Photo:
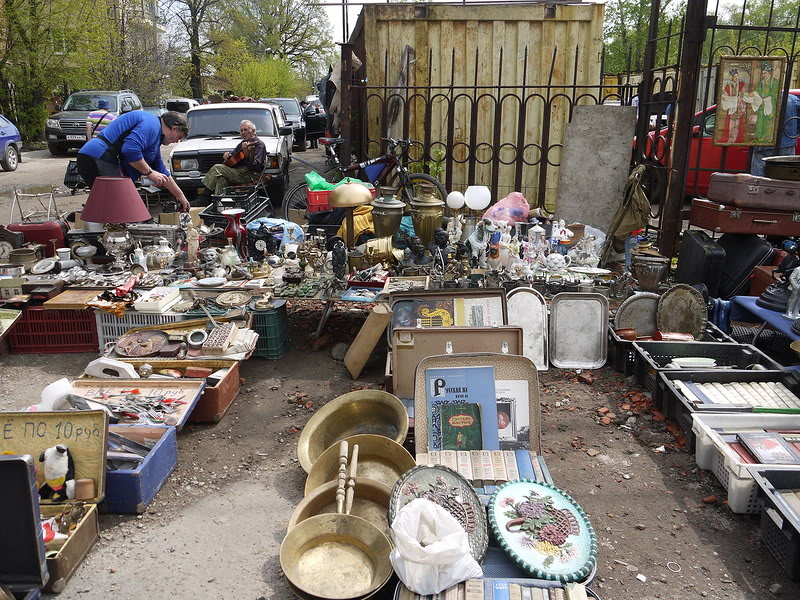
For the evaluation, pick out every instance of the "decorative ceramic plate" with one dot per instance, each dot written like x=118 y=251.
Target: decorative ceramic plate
x=682 y=309
x=638 y=312
x=181 y=306
x=452 y=492
x=44 y=266
x=543 y=530
x=233 y=299
x=590 y=270
x=212 y=281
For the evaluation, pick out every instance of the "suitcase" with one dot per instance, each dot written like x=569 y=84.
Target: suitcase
x=743 y=253
x=749 y=191
x=42 y=233
x=701 y=260
x=729 y=219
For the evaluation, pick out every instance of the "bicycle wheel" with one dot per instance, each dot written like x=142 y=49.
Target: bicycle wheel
x=415 y=179
x=295 y=204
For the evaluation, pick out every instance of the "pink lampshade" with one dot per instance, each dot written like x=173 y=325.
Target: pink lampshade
x=114 y=200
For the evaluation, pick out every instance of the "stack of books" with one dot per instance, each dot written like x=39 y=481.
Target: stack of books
x=486 y=469
x=500 y=589
x=764 y=447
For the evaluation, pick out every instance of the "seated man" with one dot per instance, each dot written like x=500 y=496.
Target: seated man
x=246 y=169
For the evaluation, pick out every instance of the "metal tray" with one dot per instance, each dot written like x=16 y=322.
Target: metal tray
x=527 y=308
x=638 y=312
x=681 y=309
x=507 y=367
x=578 y=325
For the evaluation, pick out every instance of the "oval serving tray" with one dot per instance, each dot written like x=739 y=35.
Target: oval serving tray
x=543 y=530
x=578 y=330
x=682 y=309
x=638 y=312
x=451 y=491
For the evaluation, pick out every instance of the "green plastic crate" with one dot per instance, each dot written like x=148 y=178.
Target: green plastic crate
x=272 y=327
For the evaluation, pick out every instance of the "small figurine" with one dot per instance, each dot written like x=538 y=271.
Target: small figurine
x=418 y=250
x=478 y=241
x=441 y=241
x=192 y=245
x=455 y=228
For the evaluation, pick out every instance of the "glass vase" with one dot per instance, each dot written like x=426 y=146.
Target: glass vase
x=236 y=231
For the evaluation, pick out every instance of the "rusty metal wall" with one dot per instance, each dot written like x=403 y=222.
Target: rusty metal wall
x=489 y=88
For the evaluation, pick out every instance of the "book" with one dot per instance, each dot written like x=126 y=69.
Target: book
x=512 y=471
x=464 y=463
x=488 y=467
x=500 y=590
x=499 y=465
x=537 y=467
x=462 y=385
x=448 y=458
x=769 y=448
x=537 y=593
x=514 y=591
x=477 y=468
x=462 y=592
x=461 y=426
x=513 y=418
x=433 y=458
x=434 y=313
x=451 y=593
x=422 y=459
x=473 y=589
x=524 y=465
x=546 y=477
x=526 y=593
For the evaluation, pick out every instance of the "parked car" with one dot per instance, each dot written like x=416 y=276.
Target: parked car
x=155 y=110
x=67 y=128
x=295 y=118
x=181 y=105
x=11 y=143
x=737 y=158
x=214 y=130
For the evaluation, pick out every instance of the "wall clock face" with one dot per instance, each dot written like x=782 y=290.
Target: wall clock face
x=5 y=250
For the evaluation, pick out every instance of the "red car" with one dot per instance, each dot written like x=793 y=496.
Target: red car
x=737 y=158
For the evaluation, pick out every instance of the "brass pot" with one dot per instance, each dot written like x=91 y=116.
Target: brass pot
x=336 y=556
x=379 y=458
x=387 y=213
x=363 y=411
x=381 y=250
x=427 y=213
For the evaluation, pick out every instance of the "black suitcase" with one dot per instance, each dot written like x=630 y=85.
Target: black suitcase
x=701 y=260
x=743 y=253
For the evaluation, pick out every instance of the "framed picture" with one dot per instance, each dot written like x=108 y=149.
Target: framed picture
x=749 y=96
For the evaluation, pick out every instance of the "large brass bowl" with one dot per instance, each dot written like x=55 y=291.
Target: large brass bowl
x=379 y=458
x=371 y=502
x=364 y=411
x=336 y=557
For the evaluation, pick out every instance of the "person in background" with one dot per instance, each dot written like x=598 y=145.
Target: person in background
x=131 y=145
x=98 y=119
x=246 y=169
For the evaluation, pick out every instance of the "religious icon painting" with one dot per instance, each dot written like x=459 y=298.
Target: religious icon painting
x=749 y=100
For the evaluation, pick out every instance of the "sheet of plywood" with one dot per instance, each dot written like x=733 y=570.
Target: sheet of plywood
x=371 y=331
x=71 y=299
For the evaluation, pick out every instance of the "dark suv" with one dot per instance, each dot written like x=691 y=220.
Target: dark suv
x=67 y=128
x=294 y=117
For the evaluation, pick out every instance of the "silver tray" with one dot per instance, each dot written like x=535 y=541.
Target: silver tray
x=682 y=309
x=638 y=312
x=578 y=324
x=527 y=308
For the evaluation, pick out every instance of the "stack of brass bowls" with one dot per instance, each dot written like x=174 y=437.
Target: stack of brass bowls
x=364 y=411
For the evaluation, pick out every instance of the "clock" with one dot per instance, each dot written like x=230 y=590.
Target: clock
x=5 y=250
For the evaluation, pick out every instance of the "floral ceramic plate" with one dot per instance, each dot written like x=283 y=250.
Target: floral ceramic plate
x=543 y=530
x=451 y=491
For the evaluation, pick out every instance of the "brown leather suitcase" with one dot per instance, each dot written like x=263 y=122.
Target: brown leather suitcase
x=730 y=219
x=748 y=191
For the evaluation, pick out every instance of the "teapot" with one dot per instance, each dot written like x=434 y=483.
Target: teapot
x=164 y=253
x=556 y=262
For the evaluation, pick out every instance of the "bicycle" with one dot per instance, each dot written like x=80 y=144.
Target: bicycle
x=390 y=169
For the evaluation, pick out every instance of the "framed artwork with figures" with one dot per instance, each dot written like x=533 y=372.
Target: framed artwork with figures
x=749 y=97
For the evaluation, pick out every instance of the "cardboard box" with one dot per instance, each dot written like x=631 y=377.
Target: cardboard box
x=132 y=490
x=85 y=433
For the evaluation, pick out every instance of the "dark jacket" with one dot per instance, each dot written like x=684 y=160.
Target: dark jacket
x=255 y=159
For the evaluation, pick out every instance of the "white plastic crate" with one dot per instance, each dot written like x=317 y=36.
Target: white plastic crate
x=110 y=328
x=715 y=455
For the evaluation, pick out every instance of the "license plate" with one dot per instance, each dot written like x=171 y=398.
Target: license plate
x=76 y=137
x=194 y=174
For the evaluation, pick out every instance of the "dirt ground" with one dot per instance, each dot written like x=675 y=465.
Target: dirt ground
x=215 y=529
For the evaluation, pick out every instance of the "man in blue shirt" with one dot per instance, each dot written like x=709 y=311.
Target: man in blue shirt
x=132 y=144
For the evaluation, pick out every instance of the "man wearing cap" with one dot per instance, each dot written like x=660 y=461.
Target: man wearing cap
x=98 y=119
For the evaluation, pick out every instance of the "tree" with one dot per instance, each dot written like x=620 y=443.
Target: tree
x=290 y=30
x=625 y=27
x=196 y=18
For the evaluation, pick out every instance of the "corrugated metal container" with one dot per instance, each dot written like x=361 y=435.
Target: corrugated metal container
x=458 y=57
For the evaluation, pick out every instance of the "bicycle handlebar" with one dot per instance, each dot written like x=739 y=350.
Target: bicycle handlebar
x=393 y=142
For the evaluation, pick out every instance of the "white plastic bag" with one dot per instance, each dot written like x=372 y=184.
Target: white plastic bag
x=431 y=550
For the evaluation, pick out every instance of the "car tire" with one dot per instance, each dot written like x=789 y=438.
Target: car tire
x=57 y=149
x=10 y=159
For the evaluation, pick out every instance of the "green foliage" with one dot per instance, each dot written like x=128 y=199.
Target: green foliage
x=434 y=167
x=266 y=77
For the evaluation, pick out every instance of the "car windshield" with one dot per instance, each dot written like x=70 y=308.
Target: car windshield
x=290 y=106
x=218 y=121
x=88 y=102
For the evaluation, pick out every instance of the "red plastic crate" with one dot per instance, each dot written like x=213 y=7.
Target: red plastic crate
x=318 y=201
x=46 y=331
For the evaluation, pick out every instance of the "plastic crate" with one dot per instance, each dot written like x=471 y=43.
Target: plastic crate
x=272 y=327
x=780 y=529
x=318 y=201
x=674 y=404
x=110 y=327
x=652 y=357
x=622 y=354
x=48 y=331
x=711 y=453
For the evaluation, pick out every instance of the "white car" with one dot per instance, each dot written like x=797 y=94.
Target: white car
x=214 y=130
